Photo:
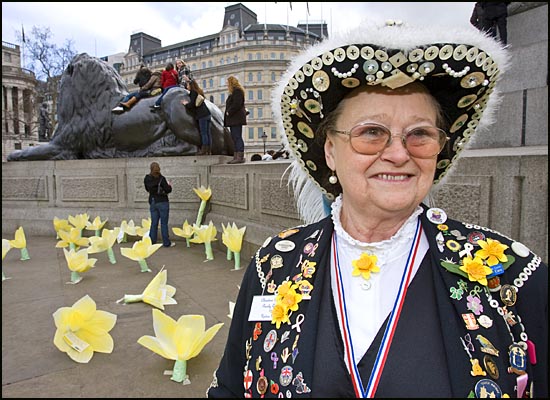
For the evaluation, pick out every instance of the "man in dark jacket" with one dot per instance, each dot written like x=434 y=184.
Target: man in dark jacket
x=495 y=17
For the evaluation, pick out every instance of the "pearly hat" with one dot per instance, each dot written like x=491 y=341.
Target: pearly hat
x=460 y=68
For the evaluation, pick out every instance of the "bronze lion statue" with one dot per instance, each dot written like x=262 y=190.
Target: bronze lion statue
x=87 y=128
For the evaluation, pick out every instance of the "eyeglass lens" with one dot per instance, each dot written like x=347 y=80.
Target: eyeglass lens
x=421 y=142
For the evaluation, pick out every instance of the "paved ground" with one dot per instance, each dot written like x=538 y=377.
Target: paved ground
x=33 y=367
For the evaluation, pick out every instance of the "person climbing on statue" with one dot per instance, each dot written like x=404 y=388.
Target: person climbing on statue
x=148 y=89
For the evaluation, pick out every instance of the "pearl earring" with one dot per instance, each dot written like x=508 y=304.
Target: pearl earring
x=333 y=179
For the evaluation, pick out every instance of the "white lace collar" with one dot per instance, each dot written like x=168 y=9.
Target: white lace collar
x=404 y=235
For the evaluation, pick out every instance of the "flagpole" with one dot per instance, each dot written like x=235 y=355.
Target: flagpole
x=23 y=41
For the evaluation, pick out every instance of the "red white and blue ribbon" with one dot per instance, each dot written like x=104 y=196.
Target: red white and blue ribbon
x=383 y=351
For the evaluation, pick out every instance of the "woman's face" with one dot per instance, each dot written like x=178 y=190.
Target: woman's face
x=391 y=181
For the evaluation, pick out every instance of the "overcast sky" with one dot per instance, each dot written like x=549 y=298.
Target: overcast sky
x=102 y=29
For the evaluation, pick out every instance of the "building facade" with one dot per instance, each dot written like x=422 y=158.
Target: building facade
x=20 y=108
x=257 y=54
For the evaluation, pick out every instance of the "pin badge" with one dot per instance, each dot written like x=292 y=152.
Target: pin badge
x=436 y=215
x=486 y=388
x=508 y=295
x=285 y=246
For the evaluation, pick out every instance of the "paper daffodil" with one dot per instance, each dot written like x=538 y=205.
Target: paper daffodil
x=60 y=225
x=83 y=330
x=186 y=231
x=232 y=237
x=104 y=243
x=20 y=242
x=145 y=227
x=79 y=221
x=204 y=195
x=72 y=239
x=179 y=341
x=96 y=225
x=5 y=248
x=78 y=262
x=205 y=234
x=126 y=228
x=140 y=251
x=157 y=293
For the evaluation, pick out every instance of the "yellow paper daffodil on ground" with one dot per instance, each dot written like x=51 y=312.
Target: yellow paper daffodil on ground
x=140 y=251
x=126 y=228
x=79 y=221
x=145 y=227
x=20 y=242
x=96 y=225
x=72 y=239
x=186 y=231
x=83 y=329
x=204 y=195
x=205 y=234
x=60 y=225
x=104 y=243
x=78 y=262
x=5 y=248
x=232 y=237
x=179 y=341
x=157 y=293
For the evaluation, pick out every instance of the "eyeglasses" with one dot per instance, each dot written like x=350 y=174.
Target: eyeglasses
x=422 y=142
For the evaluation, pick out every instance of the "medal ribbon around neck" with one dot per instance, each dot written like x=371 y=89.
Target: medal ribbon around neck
x=383 y=351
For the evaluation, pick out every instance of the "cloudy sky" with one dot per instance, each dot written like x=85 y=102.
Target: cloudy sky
x=102 y=29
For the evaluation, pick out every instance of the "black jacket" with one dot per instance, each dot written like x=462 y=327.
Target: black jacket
x=152 y=185
x=200 y=111
x=235 y=111
x=426 y=357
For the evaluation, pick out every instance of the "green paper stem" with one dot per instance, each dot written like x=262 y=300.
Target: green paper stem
x=111 y=255
x=200 y=213
x=75 y=277
x=208 y=248
x=25 y=254
x=237 y=260
x=143 y=265
x=72 y=246
x=179 y=372
x=97 y=232
x=133 y=298
x=229 y=254
x=187 y=241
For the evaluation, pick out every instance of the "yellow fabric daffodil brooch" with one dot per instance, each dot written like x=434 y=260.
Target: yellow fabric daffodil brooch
x=286 y=301
x=486 y=262
x=83 y=330
x=364 y=265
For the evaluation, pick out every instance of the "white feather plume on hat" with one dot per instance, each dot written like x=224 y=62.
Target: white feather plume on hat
x=311 y=197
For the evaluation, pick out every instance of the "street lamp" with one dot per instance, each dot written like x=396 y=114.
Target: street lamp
x=264 y=138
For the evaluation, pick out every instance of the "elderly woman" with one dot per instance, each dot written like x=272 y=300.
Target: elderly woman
x=387 y=296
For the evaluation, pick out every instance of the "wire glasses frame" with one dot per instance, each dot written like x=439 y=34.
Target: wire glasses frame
x=421 y=142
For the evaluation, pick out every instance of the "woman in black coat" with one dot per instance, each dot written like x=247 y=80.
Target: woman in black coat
x=235 y=117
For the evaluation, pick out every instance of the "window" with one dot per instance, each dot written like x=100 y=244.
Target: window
x=203 y=64
x=250 y=95
x=211 y=83
x=249 y=56
x=250 y=77
x=222 y=98
x=273 y=77
x=259 y=93
x=273 y=56
x=273 y=133
x=260 y=132
x=260 y=112
x=251 y=115
x=259 y=76
x=282 y=56
x=251 y=133
x=17 y=146
x=210 y=64
x=222 y=81
x=258 y=56
x=204 y=83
